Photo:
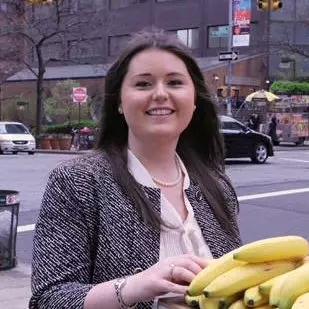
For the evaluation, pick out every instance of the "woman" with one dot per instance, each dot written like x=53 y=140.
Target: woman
x=140 y=217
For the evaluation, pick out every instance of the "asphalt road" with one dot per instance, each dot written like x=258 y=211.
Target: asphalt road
x=274 y=197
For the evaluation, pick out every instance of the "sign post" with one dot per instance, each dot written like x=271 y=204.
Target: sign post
x=228 y=56
x=238 y=35
x=229 y=71
x=79 y=95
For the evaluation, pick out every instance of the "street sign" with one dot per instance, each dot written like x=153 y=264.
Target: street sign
x=228 y=56
x=79 y=95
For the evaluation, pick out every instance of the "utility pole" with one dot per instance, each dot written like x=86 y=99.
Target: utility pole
x=229 y=65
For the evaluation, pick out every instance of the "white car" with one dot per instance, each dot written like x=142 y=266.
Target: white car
x=15 y=137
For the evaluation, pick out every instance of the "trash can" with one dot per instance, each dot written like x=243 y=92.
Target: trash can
x=9 y=211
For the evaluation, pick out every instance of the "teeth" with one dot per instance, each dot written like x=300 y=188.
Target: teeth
x=159 y=112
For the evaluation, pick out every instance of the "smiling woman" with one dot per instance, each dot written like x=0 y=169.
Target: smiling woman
x=141 y=216
x=156 y=100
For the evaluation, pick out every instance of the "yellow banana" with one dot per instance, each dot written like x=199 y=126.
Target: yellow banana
x=239 y=304
x=209 y=273
x=225 y=302
x=266 y=286
x=245 y=276
x=254 y=298
x=295 y=284
x=274 y=295
x=301 y=302
x=271 y=249
x=192 y=301
x=208 y=303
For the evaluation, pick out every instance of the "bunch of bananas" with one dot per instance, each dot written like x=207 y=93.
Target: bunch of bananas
x=268 y=273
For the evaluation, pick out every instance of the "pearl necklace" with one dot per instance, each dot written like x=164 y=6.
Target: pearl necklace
x=173 y=183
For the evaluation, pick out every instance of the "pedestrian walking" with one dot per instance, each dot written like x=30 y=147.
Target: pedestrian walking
x=250 y=122
x=141 y=216
x=272 y=130
x=254 y=122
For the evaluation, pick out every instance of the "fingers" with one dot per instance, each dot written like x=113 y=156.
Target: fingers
x=182 y=275
x=192 y=263
x=200 y=261
x=171 y=287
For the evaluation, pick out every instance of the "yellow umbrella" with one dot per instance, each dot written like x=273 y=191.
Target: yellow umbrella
x=262 y=95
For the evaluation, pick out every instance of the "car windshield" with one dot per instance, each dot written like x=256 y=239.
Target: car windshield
x=13 y=129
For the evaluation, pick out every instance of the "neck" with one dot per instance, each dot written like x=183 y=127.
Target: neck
x=158 y=159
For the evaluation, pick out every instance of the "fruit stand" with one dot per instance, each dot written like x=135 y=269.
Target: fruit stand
x=292 y=114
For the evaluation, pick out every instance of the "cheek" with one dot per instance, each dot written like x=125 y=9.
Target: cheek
x=132 y=100
x=188 y=100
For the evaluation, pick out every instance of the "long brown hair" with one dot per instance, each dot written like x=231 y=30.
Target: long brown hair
x=200 y=145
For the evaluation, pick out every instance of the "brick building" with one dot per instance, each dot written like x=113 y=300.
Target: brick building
x=201 y=24
x=12 y=50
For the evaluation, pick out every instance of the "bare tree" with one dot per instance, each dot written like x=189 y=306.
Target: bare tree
x=44 y=28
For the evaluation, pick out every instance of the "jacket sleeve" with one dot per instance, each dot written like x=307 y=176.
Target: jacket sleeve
x=232 y=204
x=61 y=266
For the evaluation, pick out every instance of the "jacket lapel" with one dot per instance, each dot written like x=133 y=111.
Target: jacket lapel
x=217 y=239
x=146 y=241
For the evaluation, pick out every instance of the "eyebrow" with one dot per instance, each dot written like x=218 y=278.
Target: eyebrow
x=149 y=74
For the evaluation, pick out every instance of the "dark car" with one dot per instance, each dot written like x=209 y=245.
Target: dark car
x=242 y=142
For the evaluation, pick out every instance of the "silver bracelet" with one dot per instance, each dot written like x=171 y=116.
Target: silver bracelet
x=119 y=284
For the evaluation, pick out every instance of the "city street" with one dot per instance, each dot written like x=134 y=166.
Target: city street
x=261 y=214
x=273 y=201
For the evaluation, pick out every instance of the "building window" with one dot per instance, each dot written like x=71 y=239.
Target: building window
x=190 y=37
x=85 y=49
x=218 y=36
x=117 y=4
x=116 y=43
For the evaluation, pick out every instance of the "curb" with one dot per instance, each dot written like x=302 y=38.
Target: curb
x=56 y=151
x=291 y=147
x=82 y=152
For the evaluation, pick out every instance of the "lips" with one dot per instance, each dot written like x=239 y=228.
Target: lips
x=160 y=112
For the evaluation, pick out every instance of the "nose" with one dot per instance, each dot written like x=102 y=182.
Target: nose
x=160 y=93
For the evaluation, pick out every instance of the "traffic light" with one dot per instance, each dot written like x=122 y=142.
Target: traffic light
x=275 y=5
x=263 y=5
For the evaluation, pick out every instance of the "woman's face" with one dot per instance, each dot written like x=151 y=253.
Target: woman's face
x=157 y=96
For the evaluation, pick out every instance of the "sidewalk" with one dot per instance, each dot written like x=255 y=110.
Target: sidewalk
x=15 y=287
x=282 y=147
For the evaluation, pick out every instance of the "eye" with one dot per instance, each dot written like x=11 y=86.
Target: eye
x=175 y=82
x=142 y=84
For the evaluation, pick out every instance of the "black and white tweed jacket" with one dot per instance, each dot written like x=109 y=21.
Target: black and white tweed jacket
x=88 y=232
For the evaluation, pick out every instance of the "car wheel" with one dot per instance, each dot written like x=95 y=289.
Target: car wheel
x=30 y=152
x=1 y=152
x=14 y=152
x=260 y=153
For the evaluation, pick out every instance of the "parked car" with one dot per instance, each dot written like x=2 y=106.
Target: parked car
x=15 y=137
x=241 y=141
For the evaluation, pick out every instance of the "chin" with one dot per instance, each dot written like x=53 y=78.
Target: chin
x=164 y=134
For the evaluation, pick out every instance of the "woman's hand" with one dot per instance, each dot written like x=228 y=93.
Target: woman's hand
x=170 y=275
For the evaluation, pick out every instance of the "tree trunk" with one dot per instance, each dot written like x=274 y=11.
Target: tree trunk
x=39 y=90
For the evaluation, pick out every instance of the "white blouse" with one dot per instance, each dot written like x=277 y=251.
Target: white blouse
x=183 y=236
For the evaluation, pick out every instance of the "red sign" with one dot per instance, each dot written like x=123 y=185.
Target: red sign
x=79 y=95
